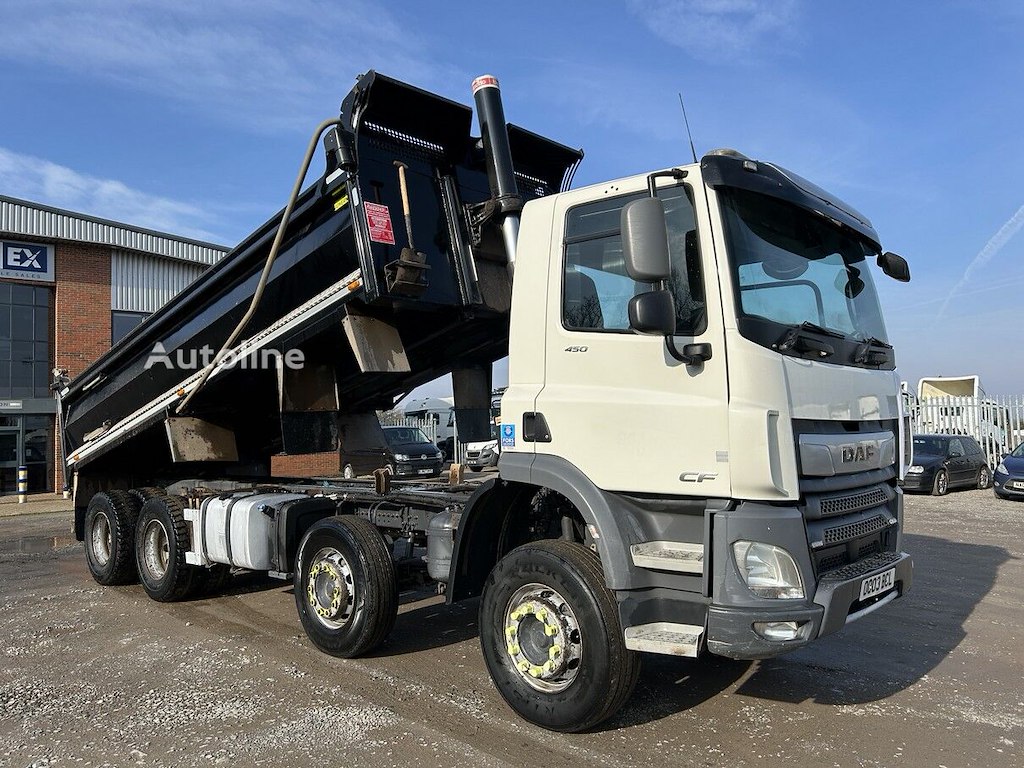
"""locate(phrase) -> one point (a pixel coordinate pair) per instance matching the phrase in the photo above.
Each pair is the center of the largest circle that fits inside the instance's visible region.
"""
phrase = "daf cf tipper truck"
(700, 440)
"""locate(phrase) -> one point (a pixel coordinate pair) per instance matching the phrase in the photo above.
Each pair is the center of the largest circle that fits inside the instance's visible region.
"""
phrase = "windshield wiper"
(865, 355)
(797, 340)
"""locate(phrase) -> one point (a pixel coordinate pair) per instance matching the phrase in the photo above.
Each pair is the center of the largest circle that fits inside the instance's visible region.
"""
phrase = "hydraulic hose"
(267, 266)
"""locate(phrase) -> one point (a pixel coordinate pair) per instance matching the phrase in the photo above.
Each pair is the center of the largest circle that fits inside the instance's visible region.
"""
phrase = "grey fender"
(618, 521)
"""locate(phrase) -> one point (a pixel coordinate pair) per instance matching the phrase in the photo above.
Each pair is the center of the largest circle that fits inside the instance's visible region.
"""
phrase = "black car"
(409, 454)
(941, 462)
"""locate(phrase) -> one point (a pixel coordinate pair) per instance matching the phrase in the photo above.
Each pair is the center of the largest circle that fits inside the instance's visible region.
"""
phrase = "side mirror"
(894, 266)
(653, 312)
(645, 241)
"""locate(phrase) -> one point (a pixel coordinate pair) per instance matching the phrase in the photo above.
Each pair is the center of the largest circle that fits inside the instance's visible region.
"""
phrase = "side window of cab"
(595, 286)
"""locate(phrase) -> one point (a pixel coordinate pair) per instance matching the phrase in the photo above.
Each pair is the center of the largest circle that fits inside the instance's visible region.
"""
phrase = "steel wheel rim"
(101, 539)
(943, 482)
(542, 638)
(983, 478)
(156, 549)
(330, 588)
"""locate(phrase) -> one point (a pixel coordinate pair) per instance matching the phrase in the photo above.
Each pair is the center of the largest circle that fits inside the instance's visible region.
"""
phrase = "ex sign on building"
(26, 261)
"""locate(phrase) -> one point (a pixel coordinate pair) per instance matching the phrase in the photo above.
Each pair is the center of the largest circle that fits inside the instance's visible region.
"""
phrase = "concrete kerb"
(36, 504)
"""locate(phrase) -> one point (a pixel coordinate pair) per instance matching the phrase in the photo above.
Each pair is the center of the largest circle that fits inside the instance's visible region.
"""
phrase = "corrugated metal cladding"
(143, 283)
(19, 217)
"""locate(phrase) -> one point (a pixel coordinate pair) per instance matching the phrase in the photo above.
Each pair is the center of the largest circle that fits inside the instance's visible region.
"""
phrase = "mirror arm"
(676, 173)
(691, 354)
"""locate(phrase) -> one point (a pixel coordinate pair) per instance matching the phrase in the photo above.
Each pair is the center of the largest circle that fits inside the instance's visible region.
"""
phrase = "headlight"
(1001, 469)
(915, 469)
(767, 570)
(401, 457)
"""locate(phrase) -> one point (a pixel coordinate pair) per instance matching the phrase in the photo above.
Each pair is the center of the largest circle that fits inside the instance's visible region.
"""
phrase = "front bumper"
(1003, 485)
(418, 468)
(919, 482)
(836, 602)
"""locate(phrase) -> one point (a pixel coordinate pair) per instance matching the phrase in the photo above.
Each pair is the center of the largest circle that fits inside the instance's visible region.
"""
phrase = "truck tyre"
(210, 580)
(161, 541)
(110, 537)
(941, 483)
(145, 494)
(346, 592)
(551, 637)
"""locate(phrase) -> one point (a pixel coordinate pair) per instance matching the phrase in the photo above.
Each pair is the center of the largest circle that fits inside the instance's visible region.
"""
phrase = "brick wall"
(81, 311)
(306, 465)
(81, 305)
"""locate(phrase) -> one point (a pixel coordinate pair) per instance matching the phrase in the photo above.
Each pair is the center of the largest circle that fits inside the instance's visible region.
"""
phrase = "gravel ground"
(96, 677)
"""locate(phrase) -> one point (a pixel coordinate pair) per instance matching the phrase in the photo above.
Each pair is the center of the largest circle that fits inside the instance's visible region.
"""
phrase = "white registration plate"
(1017, 484)
(424, 471)
(877, 584)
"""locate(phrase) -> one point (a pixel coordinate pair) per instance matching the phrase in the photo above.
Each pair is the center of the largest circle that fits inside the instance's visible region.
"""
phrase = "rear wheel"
(551, 637)
(110, 537)
(941, 483)
(348, 472)
(984, 478)
(161, 541)
(346, 593)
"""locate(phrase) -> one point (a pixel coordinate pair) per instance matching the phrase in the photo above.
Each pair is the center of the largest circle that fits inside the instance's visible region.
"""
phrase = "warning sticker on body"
(378, 219)
(508, 435)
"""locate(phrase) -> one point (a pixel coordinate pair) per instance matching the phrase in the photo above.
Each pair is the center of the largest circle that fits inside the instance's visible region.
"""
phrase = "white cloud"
(42, 181)
(719, 30)
(268, 64)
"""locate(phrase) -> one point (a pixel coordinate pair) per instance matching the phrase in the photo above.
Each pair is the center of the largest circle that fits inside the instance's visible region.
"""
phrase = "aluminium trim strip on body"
(141, 417)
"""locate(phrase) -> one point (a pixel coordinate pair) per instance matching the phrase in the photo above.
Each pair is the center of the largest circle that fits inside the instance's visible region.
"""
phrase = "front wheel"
(348, 472)
(345, 587)
(941, 483)
(984, 478)
(551, 637)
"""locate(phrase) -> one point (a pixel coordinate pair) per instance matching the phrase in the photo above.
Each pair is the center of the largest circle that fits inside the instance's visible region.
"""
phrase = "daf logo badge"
(859, 452)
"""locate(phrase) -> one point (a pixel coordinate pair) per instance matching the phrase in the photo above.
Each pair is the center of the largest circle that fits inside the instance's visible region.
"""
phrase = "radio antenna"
(687, 124)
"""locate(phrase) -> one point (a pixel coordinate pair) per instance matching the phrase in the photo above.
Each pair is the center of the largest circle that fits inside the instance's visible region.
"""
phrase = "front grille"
(841, 533)
(841, 505)
(828, 562)
(853, 570)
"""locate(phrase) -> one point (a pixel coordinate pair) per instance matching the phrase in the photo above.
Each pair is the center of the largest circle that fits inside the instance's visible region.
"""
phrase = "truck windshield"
(791, 266)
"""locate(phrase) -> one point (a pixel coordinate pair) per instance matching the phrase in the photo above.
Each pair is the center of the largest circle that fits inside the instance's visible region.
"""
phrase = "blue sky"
(192, 117)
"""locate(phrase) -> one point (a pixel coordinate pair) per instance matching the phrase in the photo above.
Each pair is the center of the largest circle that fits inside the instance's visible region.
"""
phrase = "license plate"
(1017, 484)
(424, 471)
(876, 585)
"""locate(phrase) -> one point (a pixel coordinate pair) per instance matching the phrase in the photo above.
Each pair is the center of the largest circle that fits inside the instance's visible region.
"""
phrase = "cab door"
(617, 405)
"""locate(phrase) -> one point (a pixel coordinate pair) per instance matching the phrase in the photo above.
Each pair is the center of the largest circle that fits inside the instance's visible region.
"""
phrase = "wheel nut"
(550, 630)
(513, 649)
(554, 650)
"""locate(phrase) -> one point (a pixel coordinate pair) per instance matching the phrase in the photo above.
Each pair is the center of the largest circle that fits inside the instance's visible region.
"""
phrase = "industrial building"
(70, 286)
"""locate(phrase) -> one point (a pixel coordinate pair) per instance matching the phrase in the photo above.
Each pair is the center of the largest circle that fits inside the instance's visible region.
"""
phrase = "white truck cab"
(728, 418)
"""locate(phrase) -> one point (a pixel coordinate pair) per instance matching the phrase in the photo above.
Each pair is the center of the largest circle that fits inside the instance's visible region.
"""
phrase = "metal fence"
(997, 423)
(393, 419)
